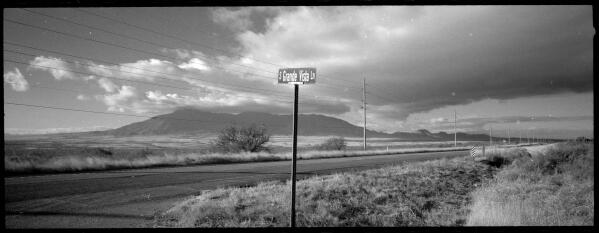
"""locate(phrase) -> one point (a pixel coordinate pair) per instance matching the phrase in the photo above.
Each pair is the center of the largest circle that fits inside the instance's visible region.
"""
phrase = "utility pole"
(520, 136)
(364, 107)
(455, 131)
(490, 137)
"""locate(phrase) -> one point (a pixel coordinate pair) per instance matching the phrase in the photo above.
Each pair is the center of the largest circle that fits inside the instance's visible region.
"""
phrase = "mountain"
(195, 121)
(188, 120)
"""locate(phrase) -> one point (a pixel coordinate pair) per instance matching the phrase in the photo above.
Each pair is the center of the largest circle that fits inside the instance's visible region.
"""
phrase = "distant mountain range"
(189, 121)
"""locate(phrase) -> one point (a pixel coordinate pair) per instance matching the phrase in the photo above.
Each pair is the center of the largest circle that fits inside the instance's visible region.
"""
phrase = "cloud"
(123, 100)
(107, 85)
(21, 131)
(236, 20)
(194, 63)
(57, 67)
(82, 97)
(183, 53)
(144, 70)
(419, 55)
(16, 80)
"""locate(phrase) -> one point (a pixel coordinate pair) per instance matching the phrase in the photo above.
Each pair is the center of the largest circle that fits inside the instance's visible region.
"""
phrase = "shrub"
(236, 139)
(333, 144)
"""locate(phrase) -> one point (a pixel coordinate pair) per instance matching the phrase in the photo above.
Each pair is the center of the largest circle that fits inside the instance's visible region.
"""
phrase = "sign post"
(295, 76)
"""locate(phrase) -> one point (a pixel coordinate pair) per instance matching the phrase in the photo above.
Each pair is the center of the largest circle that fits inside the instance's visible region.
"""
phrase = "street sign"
(297, 75)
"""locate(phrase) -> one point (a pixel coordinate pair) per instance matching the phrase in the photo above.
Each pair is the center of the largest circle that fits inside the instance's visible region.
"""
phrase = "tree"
(333, 144)
(235, 139)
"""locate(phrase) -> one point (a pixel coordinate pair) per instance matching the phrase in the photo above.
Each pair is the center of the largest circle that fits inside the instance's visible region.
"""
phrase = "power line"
(132, 38)
(147, 42)
(72, 62)
(133, 49)
(184, 40)
(135, 115)
(84, 73)
(244, 88)
(199, 44)
(125, 47)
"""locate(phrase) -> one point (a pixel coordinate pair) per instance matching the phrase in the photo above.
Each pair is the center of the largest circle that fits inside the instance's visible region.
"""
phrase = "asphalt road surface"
(131, 198)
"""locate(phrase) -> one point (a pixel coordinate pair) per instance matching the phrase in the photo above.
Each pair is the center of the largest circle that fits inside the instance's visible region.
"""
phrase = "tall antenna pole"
(490, 137)
(364, 107)
(520, 136)
(455, 131)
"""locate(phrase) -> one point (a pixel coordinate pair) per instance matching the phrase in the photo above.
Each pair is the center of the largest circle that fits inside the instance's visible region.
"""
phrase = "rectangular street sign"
(297, 75)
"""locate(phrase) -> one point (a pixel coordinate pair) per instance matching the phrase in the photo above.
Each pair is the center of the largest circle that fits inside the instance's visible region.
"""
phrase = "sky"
(518, 69)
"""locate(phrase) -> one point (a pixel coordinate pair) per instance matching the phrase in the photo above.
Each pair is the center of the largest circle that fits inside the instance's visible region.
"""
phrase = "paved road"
(130, 198)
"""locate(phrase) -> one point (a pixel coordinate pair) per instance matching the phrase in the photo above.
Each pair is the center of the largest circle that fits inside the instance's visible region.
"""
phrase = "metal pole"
(490, 137)
(455, 131)
(364, 106)
(293, 158)
(520, 136)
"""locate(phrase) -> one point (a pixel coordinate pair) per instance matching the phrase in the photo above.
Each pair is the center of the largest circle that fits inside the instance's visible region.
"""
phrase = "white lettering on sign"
(297, 75)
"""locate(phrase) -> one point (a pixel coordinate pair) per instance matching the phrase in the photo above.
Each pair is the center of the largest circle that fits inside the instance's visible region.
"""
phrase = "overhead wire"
(120, 46)
(136, 115)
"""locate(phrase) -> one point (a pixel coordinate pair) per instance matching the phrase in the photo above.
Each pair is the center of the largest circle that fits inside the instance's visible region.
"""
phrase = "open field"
(553, 187)
(199, 142)
(434, 193)
(69, 153)
(86, 159)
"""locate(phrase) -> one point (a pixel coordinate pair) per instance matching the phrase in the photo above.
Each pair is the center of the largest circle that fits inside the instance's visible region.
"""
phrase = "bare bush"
(236, 139)
(333, 144)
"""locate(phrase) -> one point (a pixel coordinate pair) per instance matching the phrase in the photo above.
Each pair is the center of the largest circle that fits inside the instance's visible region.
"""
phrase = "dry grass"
(554, 188)
(84, 159)
(433, 193)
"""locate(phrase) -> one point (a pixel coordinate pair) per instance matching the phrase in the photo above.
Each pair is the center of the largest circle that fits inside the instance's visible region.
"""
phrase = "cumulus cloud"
(183, 53)
(21, 131)
(59, 69)
(107, 85)
(16, 80)
(194, 63)
(122, 100)
(144, 70)
(236, 20)
(421, 55)
(82, 97)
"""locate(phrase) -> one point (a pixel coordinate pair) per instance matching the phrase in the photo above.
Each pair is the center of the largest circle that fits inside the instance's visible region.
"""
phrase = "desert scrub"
(333, 144)
(433, 193)
(552, 189)
(19, 161)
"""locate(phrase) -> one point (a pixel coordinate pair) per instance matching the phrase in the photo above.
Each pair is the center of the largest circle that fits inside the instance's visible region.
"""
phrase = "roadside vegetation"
(233, 145)
(22, 161)
(548, 189)
(432, 193)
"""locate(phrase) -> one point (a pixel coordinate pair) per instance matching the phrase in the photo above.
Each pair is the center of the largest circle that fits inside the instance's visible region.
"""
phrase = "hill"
(187, 120)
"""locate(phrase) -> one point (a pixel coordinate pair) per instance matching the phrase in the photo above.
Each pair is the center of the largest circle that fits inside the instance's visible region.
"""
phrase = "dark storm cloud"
(417, 60)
